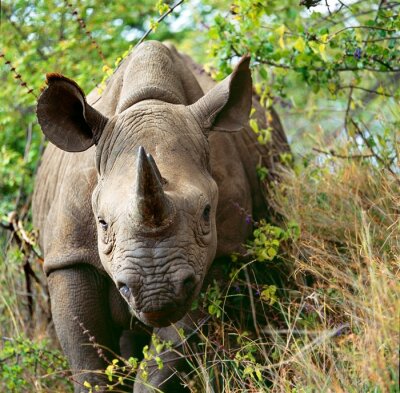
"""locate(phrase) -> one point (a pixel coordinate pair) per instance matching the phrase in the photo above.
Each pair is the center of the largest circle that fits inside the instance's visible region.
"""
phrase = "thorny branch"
(17, 75)
(88, 33)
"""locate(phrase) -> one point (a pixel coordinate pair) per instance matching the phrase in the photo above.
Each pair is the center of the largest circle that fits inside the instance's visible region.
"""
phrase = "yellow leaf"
(313, 46)
(324, 38)
(351, 130)
(322, 51)
(300, 45)
(254, 126)
(281, 31)
(332, 87)
(358, 34)
(281, 42)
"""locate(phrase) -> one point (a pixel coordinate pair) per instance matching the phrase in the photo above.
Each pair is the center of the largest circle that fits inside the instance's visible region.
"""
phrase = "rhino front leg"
(164, 379)
(79, 300)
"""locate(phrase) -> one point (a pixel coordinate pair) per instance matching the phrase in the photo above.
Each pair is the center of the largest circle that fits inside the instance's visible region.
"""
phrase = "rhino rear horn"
(152, 206)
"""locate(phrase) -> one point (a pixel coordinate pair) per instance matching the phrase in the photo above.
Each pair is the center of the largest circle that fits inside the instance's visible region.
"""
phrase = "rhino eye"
(103, 224)
(206, 213)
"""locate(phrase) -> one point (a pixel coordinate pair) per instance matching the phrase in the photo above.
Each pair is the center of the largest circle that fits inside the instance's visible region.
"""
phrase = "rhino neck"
(151, 74)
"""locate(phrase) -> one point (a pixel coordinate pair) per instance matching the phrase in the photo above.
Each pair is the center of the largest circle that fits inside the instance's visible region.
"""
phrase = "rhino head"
(155, 201)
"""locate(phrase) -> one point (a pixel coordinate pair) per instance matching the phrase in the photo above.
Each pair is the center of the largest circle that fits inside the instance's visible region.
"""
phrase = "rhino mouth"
(162, 308)
(161, 318)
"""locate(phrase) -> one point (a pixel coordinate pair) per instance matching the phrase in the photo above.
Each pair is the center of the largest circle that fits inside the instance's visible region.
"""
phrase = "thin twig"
(338, 69)
(370, 147)
(334, 154)
(160, 19)
(365, 89)
(359, 27)
(327, 6)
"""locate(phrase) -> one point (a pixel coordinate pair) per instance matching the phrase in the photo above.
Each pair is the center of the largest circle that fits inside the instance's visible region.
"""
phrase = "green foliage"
(26, 365)
(120, 372)
(213, 300)
(268, 294)
(345, 58)
(268, 238)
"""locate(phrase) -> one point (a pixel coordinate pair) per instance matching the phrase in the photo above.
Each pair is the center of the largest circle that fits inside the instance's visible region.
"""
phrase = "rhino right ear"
(226, 107)
(66, 118)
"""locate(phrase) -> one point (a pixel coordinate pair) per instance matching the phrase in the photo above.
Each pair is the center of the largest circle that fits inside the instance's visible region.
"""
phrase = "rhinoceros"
(141, 188)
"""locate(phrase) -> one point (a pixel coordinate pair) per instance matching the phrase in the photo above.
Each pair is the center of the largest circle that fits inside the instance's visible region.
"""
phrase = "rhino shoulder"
(62, 208)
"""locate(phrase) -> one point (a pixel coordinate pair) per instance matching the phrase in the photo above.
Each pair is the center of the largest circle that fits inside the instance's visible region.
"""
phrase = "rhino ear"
(227, 106)
(66, 118)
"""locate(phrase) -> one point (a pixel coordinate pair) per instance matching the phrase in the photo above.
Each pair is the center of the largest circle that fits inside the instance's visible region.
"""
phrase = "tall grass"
(335, 324)
(330, 322)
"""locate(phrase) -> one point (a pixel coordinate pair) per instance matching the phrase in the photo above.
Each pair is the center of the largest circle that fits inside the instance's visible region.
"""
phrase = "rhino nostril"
(125, 291)
(189, 283)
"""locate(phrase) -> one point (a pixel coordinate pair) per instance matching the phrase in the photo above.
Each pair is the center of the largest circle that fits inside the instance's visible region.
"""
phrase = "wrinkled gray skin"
(130, 202)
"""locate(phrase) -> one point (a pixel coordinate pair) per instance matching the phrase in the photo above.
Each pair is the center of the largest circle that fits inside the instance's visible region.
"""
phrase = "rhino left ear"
(227, 106)
(66, 118)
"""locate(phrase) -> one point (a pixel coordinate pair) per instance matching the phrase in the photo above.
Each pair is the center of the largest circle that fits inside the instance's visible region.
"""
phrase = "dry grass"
(337, 328)
(350, 245)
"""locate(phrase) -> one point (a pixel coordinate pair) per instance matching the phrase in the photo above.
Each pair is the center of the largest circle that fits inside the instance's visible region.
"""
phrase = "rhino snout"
(159, 305)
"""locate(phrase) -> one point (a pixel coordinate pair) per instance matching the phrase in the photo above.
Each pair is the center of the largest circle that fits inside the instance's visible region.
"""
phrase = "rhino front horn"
(152, 206)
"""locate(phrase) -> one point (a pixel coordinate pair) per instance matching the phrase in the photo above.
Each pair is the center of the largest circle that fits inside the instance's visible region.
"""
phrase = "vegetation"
(321, 283)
